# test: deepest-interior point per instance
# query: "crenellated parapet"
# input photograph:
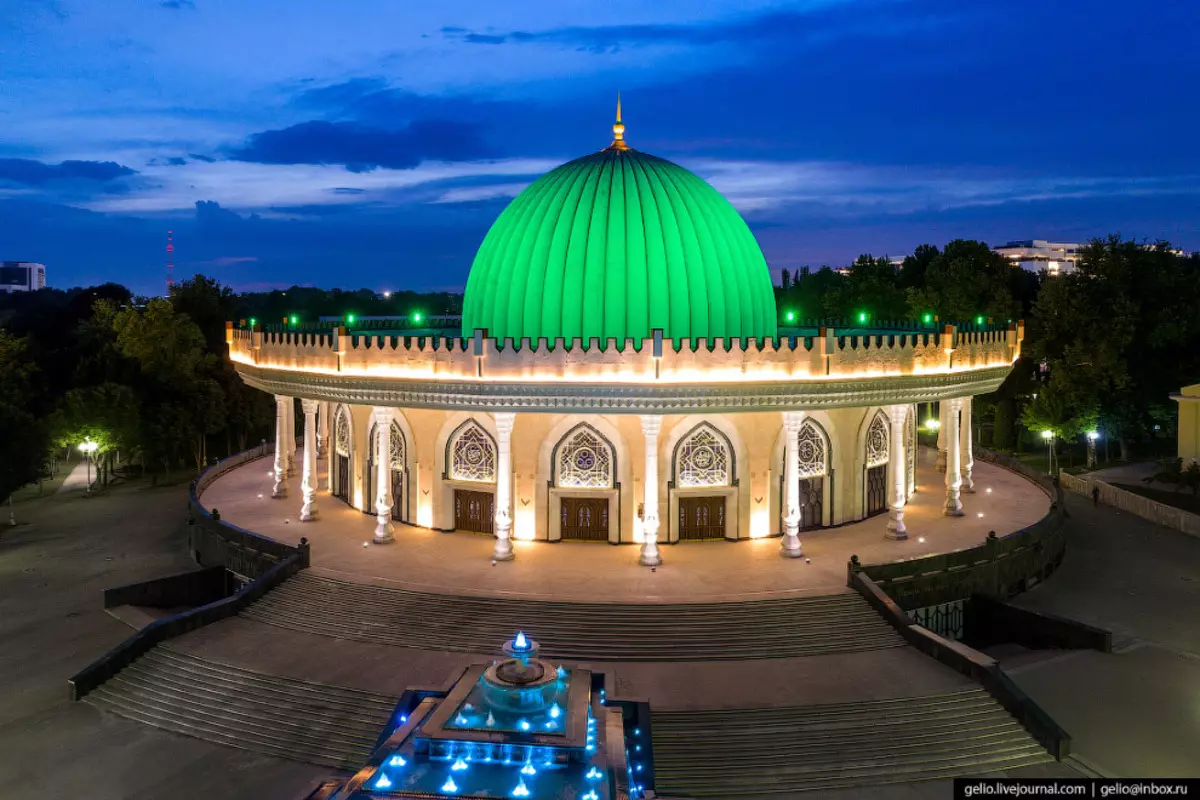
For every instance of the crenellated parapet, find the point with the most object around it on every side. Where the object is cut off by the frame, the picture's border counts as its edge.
(813, 358)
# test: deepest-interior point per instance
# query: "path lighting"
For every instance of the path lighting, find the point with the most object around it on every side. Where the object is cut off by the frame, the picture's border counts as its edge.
(1049, 437)
(1092, 436)
(386, 294)
(88, 447)
(933, 424)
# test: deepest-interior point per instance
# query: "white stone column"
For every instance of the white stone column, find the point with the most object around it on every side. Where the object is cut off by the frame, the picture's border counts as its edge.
(790, 546)
(504, 425)
(383, 475)
(650, 556)
(940, 464)
(308, 481)
(291, 437)
(322, 428)
(965, 447)
(953, 462)
(280, 490)
(897, 473)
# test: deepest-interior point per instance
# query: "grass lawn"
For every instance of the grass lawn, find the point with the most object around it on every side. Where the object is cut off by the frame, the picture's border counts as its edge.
(1182, 499)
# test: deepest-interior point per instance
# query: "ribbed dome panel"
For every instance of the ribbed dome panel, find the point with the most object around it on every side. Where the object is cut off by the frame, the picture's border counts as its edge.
(614, 245)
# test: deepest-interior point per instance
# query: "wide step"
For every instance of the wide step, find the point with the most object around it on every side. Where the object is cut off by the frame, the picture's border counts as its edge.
(774, 752)
(328, 725)
(583, 631)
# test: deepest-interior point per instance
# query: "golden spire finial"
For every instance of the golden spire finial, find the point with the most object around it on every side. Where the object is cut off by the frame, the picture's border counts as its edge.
(618, 142)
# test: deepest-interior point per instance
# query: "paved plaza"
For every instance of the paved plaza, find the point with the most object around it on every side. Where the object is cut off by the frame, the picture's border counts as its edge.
(691, 572)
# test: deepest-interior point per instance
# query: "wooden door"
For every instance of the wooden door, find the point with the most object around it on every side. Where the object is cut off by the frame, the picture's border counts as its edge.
(812, 501)
(474, 511)
(397, 494)
(585, 519)
(701, 518)
(341, 477)
(876, 490)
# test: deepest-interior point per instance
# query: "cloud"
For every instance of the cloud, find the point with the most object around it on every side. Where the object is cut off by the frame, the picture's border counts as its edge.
(347, 190)
(226, 261)
(362, 148)
(470, 194)
(178, 5)
(197, 157)
(176, 161)
(28, 172)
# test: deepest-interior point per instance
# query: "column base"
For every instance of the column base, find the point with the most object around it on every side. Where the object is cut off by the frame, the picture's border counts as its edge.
(953, 511)
(650, 559)
(505, 556)
(310, 513)
(279, 493)
(968, 486)
(790, 546)
(385, 537)
(897, 535)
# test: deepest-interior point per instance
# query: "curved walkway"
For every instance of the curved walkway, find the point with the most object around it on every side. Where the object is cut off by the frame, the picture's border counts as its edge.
(460, 563)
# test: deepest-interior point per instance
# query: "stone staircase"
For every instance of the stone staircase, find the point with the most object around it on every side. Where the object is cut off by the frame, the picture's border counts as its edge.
(804, 626)
(320, 724)
(774, 752)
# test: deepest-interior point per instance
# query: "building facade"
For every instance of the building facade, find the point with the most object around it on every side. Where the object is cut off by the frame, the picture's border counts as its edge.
(1035, 255)
(22, 276)
(620, 378)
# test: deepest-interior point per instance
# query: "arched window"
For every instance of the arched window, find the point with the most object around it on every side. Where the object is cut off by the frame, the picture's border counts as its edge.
(703, 458)
(472, 454)
(341, 432)
(877, 441)
(395, 446)
(814, 452)
(583, 459)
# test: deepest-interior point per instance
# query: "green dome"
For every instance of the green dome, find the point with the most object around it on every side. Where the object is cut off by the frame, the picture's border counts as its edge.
(617, 244)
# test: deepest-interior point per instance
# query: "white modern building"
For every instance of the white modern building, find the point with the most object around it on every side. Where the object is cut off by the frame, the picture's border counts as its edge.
(22, 276)
(1035, 255)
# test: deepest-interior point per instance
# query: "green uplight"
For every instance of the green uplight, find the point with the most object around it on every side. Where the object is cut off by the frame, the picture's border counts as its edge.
(350, 318)
(416, 316)
(927, 318)
(790, 316)
(979, 320)
(292, 319)
(253, 322)
(862, 316)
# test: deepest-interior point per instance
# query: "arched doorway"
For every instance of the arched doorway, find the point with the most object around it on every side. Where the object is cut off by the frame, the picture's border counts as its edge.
(875, 466)
(471, 459)
(584, 465)
(813, 474)
(703, 462)
(398, 456)
(340, 467)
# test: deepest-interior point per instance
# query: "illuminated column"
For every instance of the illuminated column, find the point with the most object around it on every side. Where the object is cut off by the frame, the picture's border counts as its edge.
(383, 475)
(290, 411)
(897, 473)
(964, 446)
(280, 489)
(790, 547)
(940, 464)
(650, 556)
(504, 425)
(322, 428)
(953, 462)
(308, 481)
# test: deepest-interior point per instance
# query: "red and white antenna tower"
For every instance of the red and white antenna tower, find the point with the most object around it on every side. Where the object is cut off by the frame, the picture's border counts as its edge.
(170, 266)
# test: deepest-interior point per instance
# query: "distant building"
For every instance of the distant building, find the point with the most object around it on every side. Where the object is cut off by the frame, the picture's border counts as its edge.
(22, 276)
(1035, 255)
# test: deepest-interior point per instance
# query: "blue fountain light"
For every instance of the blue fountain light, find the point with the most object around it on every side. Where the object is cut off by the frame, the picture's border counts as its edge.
(523, 724)
(383, 782)
(555, 711)
(520, 643)
(551, 725)
(529, 769)
(490, 721)
(561, 671)
(459, 765)
(521, 791)
(460, 720)
(450, 787)
(591, 796)
(397, 761)
(594, 774)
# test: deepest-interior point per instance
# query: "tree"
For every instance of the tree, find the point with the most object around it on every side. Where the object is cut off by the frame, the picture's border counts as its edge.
(914, 267)
(23, 439)
(870, 287)
(966, 280)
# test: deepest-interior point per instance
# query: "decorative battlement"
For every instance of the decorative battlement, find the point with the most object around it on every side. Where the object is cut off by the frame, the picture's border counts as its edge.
(482, 359)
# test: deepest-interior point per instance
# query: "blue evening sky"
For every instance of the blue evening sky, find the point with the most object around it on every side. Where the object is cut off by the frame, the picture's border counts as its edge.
(370, 143)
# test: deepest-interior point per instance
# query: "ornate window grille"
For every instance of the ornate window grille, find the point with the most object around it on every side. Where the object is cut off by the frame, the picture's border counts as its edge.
(473, 455)
(585, 460)
(814, 456)
(341, 432)
(395, 446)
(877, 441)
(703, 459)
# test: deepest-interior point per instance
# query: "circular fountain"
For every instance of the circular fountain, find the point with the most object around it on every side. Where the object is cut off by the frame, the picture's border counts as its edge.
(522, 682)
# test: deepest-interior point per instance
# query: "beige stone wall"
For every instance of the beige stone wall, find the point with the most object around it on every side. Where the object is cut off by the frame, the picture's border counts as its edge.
(752, 505)
(1189, 425)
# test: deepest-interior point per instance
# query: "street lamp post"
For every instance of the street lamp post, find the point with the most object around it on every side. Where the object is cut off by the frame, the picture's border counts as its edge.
(88, 448)
(1092, 436)
(1049, 437)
